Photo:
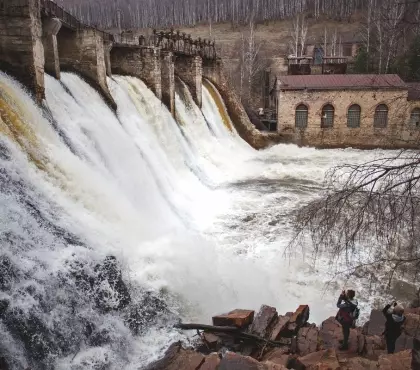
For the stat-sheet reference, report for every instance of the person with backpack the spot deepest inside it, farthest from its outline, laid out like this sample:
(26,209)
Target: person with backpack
(347,314)
(393,327)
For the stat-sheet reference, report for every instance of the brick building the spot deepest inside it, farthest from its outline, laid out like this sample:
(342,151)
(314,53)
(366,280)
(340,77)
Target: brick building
(363,111)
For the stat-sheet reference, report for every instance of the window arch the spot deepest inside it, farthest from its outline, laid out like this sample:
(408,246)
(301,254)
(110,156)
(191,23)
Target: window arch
(327,116)
(415,118)
(301,116)
(353,116)
(381,116)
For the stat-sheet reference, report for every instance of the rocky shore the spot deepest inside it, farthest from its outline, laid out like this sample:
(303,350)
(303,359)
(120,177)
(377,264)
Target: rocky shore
(245,340)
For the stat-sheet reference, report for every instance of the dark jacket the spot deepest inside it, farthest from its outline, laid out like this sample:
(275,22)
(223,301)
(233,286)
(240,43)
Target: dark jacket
(346,310)
(394,323)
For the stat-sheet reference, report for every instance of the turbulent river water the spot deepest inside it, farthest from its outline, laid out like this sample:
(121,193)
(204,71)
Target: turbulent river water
(196,219)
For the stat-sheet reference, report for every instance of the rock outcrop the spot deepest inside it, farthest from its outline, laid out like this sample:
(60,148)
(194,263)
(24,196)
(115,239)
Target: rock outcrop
(270,341)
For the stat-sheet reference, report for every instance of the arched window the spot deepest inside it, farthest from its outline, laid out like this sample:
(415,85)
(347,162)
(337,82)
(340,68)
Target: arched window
(353,116)
(327,117)
(415,118)
(301,116)
(381,116)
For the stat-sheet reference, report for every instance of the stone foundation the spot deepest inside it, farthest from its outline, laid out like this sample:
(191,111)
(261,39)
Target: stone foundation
(82,51)
(168,81)
(190,70)
(21,49)
(138,61)
(213,71)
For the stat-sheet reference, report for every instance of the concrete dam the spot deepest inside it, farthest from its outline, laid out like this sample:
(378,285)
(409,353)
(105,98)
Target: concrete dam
(38,37)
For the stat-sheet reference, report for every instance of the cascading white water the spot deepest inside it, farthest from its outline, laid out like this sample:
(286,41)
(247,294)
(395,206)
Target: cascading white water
(195,218)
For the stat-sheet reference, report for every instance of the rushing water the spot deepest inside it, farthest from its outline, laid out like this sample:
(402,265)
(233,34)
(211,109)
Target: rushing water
(195,217)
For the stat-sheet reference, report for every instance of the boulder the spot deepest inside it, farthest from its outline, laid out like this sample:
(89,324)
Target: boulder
(376,323)
(268,365)
(233,361)
(211,341)
(238,318)
(325,360)
(404,342)
(359,363)
(264,321)
(374,347)
(307,340)
(415,362)
(280,327)
(412,325)
(170,354)
(278,356)
(299,318)
(396,361)
(211,362)
(331,333)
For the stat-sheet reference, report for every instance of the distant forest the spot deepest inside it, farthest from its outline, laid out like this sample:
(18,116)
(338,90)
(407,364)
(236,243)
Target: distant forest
(163,13)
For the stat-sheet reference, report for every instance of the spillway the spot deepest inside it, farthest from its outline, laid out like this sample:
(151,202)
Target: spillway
(196,221)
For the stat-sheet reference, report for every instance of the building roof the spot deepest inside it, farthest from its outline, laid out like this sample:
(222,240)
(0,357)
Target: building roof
(413,90)
(339,82)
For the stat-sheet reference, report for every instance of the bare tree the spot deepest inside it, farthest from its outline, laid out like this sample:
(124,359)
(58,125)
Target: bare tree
(369,215)
(298,34)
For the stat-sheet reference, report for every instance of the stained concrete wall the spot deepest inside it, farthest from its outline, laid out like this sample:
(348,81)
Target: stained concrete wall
(138,61)
(190,70)
(214,72)
(50,29)
(21,49)
(168,81)
(82,51)
(397,134)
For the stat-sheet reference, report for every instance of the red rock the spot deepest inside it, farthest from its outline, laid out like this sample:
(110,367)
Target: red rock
(359,363)
(186,360)
(307,340)
(277,356)
(263,321)
(233,361)
(415,364)
(280,327)
(211,340)
(299,318)
(331,333)
(268,365)
(396,361)
(211,362)
(374,346)
(376,323)
(238,318)
(321,360)
(412,325)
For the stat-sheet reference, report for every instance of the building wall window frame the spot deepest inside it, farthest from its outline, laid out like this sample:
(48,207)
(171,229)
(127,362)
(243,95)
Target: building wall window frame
(353,116)
(380,120)
(415,118)
(327,116)
(301,116)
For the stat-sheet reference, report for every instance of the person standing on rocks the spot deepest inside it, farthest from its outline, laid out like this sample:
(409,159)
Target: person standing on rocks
(347,314)
(393,327)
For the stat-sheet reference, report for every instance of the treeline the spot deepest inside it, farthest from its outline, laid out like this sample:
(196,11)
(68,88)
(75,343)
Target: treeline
(164,13)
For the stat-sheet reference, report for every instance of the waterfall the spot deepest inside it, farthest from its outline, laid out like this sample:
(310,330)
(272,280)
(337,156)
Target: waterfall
(115,225)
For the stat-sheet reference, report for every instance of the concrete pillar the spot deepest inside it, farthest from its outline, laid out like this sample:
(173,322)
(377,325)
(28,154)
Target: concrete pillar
(168,81)
(82,51)
(190,70)
(50,28)
(151,72)
(138,61)
(108,47)
(21,49)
